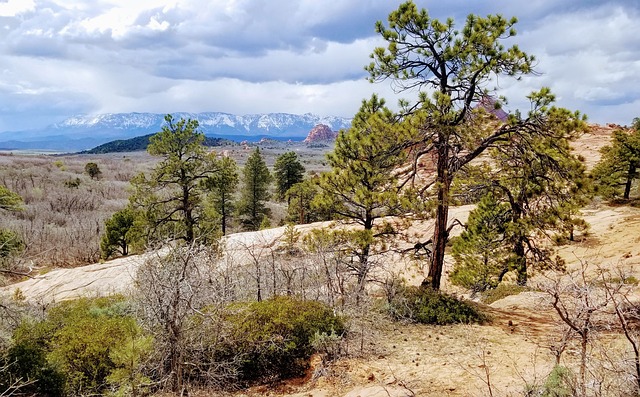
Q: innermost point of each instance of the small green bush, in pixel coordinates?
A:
(275, 337)
(73, 183)
(559, 383)
(72, 348)
(427, 306)
(26, 360)
(502, 291)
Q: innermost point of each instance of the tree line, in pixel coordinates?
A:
(191, 194)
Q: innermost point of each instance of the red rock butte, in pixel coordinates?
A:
(321, 133)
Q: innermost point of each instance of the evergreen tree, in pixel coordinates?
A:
(223, 186)
(117, 234)
(361, 186)
(10, 242)
(300, 198)
(287, 171)
(618, 167)
(480, 254)
(10, 245)
(171, 198)
(255, 192)
(451, 68)
(92, 170)
(543, 184)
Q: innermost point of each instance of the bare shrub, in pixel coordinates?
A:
(593, 306)
(61, 225)
(178, 298)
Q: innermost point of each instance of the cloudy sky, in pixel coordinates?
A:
(65, 57)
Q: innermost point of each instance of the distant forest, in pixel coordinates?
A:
(140, 143)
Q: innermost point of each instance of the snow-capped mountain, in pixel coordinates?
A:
(86, 131)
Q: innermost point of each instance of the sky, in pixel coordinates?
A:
(60, 58)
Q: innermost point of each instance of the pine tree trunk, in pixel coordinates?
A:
(363, 271)
(521, 265)
(440, 234)
(630, 174)
(301, 211)
(223, 212)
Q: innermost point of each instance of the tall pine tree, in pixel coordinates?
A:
(171, 197)
(287, 171)
(618, 167)
(255, 191)
(453, 70)
(222, 188)
(361, 186)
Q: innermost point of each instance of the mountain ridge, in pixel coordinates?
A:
(82, 132)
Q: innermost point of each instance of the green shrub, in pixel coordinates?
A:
(329, 344)
(559, 383)
(274, 338)
(27, 361)
(10, 244)
(427, 306)
(502, 291)
(75, 343)
(92, 170)
(73, 183)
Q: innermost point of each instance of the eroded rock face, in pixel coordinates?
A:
(320, 133)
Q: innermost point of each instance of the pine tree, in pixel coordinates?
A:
(480, 254)
(223, 186)
(287, 171)
(451, 68)
(171, 198)
(10, 242)
(619, 165)
(255, 192)
(116, 235)
(9, 201)
(92, 170)
(361, 186)
(544, 185)
(300, 198)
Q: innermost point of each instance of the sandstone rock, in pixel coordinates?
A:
(320, 133)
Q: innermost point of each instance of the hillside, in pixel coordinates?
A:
(404, 359)
(140, 143)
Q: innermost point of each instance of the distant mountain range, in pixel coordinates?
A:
(84, 132)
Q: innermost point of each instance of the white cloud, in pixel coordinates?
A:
(11, 8)
(249, 56)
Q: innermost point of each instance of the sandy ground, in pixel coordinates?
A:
(512, 350)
